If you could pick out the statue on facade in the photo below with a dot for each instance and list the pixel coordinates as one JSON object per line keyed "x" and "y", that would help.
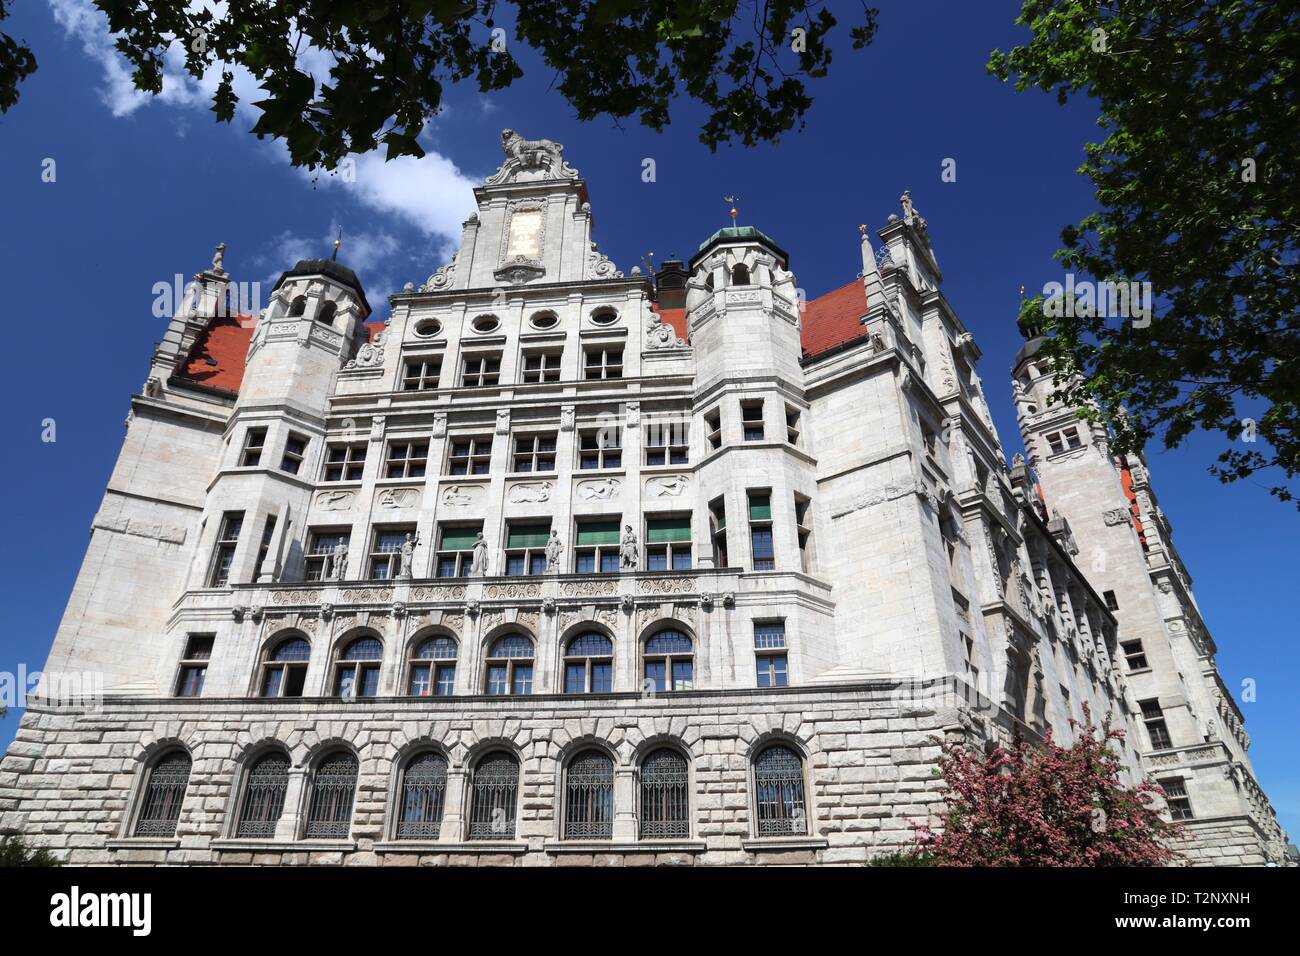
{"x": 629, "y": 551}
{"x": 340, "y": 561}
{"x": 408, "y": 555}
{"x": 219, "y": 258}
{"x": 554, "y": 551}
{"x": 480, "y": 565}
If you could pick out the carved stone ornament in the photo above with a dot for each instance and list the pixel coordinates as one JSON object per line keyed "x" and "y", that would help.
{"x": 1116, "y": 516}
{"x": 398, "y": 498}
{"x": 627, "y": 603}
{"x": 599, "y": 489}
{"x": 549, "y": 605}
{"x": 706, "y": 601}
{"x": 531, "y": 492}
{"x": 399, "y": 609}
{"x": 442, "y": 279}
{"x": 530, "y": 160}
{"x": 567, "y": 415}
{"x": 256, "y": 612}
{"x": 238, "y": 612}
{"x": 370, "y": 355}
{"x": 326, "y": 611}
{"x": 460, "y": 496}
{"x": 599, "y": 266}
{"x": 440, "y": 425}
{"x": 472, "y": 608}
{"x": 667, "y": 486}
{"x": 661, "y": 335}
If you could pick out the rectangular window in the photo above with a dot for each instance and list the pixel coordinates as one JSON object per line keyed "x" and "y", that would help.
{"x": 227, "y": 540}
{"x": 1054, "y": 441}
{"x": 760, "y": 531}
{"x": 469, "y": 456}
{"x": 718, "y": 531}
{"x": 713, "y": 428}
{"x": 321, "y": 546}
{"x": 668, "y": 544}
{"x": 770, "y": 654}
{"x": 968, "y": 643}
{"x": 406, "y": 459}
{"x": 264, "y": 548}
{"x": 1134, "y": 655}
{"x": 603, "y": 363}
{"x": 1154, "y": 718}
{"x": 526, "y": 547}
{"x": 455, "y": 557}
{"x": 1180, "y": 807}
{"x": 541, "y": 366}
{"x": 667, "y": 443}
{"x": 751, "y": 419}
{"x": 803, "y": 530}
{"x": 1112, "y": 604}
{"x": 600, "y": 448}
{"x": 254, "y": 442}
{"x": 479, "y": 371}
{"x": 295, "y": 447}
{"x": 194, "y": 665}
{"x": 792, "y": 429}
{"x": 345, "y": 462}
{"x": 597, "y": 551}
{"x": 1072, "y": 439}
{"x": 437, "y": 680}
{"x": 422, "y": 375}
{"x": 534, "y": 452}
{"x": 386, "y": 552}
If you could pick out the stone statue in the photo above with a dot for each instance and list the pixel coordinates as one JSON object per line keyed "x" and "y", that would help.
{"x": 219, "y": 258}
{"x": 408, "y": 555}
{"x": 526, "y": 150}
{"x": 630, "y": 552}
{"x": 554, "y": 550}
{"x": 480, "y": 565}
{"x": 340, "y": 561}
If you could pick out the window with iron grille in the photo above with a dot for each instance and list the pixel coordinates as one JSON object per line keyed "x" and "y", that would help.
{"x": 493, "y": 797}
{"x": 1180, "y": 807}
{"x": 333, "y": 788}
{"x": 668, "y": 543}
{"x": 224, "y": 556}
{"x": 470, "y": 456}
{"x": 424, "y": 792}
{"x": 194, "y": 665}
{"x": 263, "y": 801}
{"x": 534, "y": 452}
{"x": 164, "y": 792}
{"x": 284, "y": 674}
{"x": 770, "y": 654}
{"x": 481, "y": 371}
{"x": 597, "y": 550}
{"x": 254, "y": 442}
{"x": 1134, "y": 656}
{"x": 526, "y": 547}
{"x": 356, "y": 674}
{"x": 751, "y": 419}
{"x": 1154, "y": 718}
{"x": 760, "y": 531}
{"x": 345, "y": 462}
{"x": 422, "y": 374}
{"x": 320, "y": 552}
{"x": 665, "y": 802}
{"x": 509, "y": 666}
{"x": 455, "y": 555}
{"x": 589, "y": 665}
{"x": 386, "y": 552}
{"x": 589, "y": 797}
{"x": 406, "y": 459}
{"x": 295, "y": 449}
{"x": 433, "y": 668}
{"x": 541, "y": 366}
{"x": 779, "y": 796}
{"x": 667, "y": 442}
{"x": 603, "y": 363}
{"x": 600, "y": 448}
{"x": 668, "y": 662}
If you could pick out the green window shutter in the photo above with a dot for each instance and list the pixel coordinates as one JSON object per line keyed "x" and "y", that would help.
{"x": 528, "y": 536}
{"x": 458, "y": 539}
{"x": 760, "y": 507}
{"x": 598, "y": 532}
{"x": 659, "y": 530}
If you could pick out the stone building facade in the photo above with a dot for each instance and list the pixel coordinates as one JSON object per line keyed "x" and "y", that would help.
{"x": 560, "y": 564}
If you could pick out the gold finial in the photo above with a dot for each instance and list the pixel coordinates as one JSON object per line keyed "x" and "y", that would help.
{"x": 734, "y": 212}
{"x": 337, "y": 242}
{"x": 863, "y": 228}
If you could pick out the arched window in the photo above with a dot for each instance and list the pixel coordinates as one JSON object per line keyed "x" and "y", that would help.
{"x": 589, "y": 797}
{"x": 424, "y": 790}
{"x": 669, "y": 662}
{"x": 333, "y": 786}
{"x": 510, "y": 665}
{"x": 664, "y": 801}
{"x": 357, "y": 672}
{"x": 285, "y": 672}
{"x": 298, "y": 306}
{"x": 264, "y": 790}
{"x": 740, "y": 275}
{"x": 778, "y": 786}
{"x": 589, "y": 665}
{"x": 327, "y": 312}
{"x": 495, "y": 791}
{"x": 433, "y": 668}
{"x": 164, "y": 791}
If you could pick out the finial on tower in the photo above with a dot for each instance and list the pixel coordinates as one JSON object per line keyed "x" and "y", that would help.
{"x": 734, "y": 212}
{"x": 337, "y": 242}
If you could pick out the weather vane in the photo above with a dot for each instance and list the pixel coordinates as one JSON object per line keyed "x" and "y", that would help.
{"x": 337, "y": 242}
{"x": 734, "y": 212}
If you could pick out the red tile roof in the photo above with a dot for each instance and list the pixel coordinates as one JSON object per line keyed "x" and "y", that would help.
{"x": 674, "y": 317}
{"x": 217, "y": 359}
{"x": 833, "y": 319}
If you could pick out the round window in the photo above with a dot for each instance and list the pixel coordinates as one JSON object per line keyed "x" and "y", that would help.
{"x": 486, "y": 323}
{"x": 544, "y": 320}
{"x": 604, "y": 317}
{"x": 428, "y": 328}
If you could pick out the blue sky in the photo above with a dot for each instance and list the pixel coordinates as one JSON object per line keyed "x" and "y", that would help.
{"x": 145, "y": 189}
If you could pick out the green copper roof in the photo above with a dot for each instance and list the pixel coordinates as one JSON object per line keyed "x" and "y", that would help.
{"x": 733, "y": 233}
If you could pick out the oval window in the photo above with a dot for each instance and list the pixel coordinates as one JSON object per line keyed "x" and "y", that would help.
{"x": 604, "y": 316}
{"x": 544, "y": 320}
{"x": 486, "y": 323}
{"x": 428, "y": 328}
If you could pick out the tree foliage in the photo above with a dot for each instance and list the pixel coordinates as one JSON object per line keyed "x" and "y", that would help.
{"x": 746, "y": 63}
{"x": 17, "y": 62}
{"x": 15, "y": 852}
{"x": 1198, "y": 187}
{"x": 1047, "y": 805}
